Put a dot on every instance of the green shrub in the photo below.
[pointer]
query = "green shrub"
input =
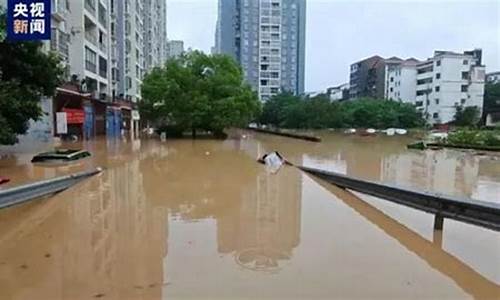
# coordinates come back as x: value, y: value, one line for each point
x: 475, y: 138
x: 491, y: 138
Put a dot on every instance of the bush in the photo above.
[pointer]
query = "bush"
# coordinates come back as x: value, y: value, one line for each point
x: 491, y: 138
x: 467, y: 117
x: 474, y: 138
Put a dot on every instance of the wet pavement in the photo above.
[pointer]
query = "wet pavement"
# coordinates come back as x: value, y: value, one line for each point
x: 202, y: 220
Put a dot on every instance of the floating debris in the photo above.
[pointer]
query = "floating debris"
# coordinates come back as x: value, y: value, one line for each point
x: 4, y: 180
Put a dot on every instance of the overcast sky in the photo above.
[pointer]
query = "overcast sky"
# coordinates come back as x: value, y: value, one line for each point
x: 340, y: 32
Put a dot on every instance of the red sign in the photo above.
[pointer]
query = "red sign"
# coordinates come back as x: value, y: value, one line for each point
x: 74, y: 116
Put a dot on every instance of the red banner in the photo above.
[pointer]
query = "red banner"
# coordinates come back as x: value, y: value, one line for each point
x: 74, y: 116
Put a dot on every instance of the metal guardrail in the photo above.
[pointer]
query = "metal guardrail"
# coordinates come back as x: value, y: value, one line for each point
x: 24, y: 193
x: 305, y: 137
x: 480, y: 213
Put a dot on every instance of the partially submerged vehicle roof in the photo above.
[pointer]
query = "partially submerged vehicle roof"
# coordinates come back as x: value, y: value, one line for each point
x: 61, y: 155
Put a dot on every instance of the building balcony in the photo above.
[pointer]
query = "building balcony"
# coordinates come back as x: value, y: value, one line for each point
x: 90, y: 6
x: 59, y: 43
x: 59, y: 10
x: 90, y: 37
x: 103, y: 47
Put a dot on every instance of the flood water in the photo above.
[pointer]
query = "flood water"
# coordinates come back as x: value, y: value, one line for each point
x: 201, y: 219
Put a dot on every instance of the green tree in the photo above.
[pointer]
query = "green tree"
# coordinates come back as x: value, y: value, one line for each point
x: 198, y: 92
x: 491, y: 95
x: 467, y: 117
x: 26, y: 74
x: 275, y: 109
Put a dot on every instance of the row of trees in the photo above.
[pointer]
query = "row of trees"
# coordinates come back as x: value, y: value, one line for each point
x: 289, y: 111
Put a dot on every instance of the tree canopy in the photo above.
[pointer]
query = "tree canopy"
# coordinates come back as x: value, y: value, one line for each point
x: 289, y: 111
x: 26, y: 74
x: 492, y: 95
x: 467, y: 116
x: 198, y: 92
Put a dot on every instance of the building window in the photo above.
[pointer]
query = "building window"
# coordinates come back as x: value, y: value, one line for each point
x: 465, y: 75
x: 103, y: 67
x: 392, y: 79
x: 462, y: 101
x: 466, y: 62
x: 90, y: 60
x: 435, y: 115
x: 437, y: 101
x: 437, y: 88
x: 464, y: 88
x: 438, y: 63
x: 438, y: 76
x: 419, y: 103
x: 391, y: 89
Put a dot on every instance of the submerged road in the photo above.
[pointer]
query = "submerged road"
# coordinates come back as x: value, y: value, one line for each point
x: 201, y: 219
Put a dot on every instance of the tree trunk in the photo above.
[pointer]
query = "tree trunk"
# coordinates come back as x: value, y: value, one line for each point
x: 193, y: 133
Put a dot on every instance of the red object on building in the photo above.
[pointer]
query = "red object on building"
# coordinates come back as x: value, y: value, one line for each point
x: 74, y: 116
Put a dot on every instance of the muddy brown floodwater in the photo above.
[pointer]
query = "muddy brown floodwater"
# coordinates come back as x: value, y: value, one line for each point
x: 202, y: 220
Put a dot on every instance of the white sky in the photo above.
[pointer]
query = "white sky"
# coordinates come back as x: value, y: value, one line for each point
x: 340, y: 32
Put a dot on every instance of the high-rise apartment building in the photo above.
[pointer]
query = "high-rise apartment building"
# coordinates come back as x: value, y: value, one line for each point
x: 267, y: 37
x: 155, y: 33
x: 130, y: 48
x: 90, y: 45
x: 141, y: 35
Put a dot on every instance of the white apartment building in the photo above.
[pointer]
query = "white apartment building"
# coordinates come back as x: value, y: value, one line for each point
x: 90, y: 45
x: 270, y: 48
x: 60, y: 37
x: 438, y: 85
x: 338, y: 93
x: 449, y: 80
x: 155, y: 33
x: 401, y: 81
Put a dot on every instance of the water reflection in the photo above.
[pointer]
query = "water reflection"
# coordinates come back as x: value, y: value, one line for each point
x: 86, y: 242
x: 463, y: 275
x: 387, y: 160
x: 257, y: 214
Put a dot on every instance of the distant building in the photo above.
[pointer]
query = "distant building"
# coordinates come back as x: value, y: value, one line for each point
x: 493, y: 77
x: 448, y: 80
x: 154, y: 33
x: 175, y: 48
x: 367, y: 78
x: 338, y: 93
x: 401, y: 81
x: 267, y: 38
x: 436, y: 86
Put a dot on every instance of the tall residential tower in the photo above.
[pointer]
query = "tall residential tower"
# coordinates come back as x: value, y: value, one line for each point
x: 267, y: 37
